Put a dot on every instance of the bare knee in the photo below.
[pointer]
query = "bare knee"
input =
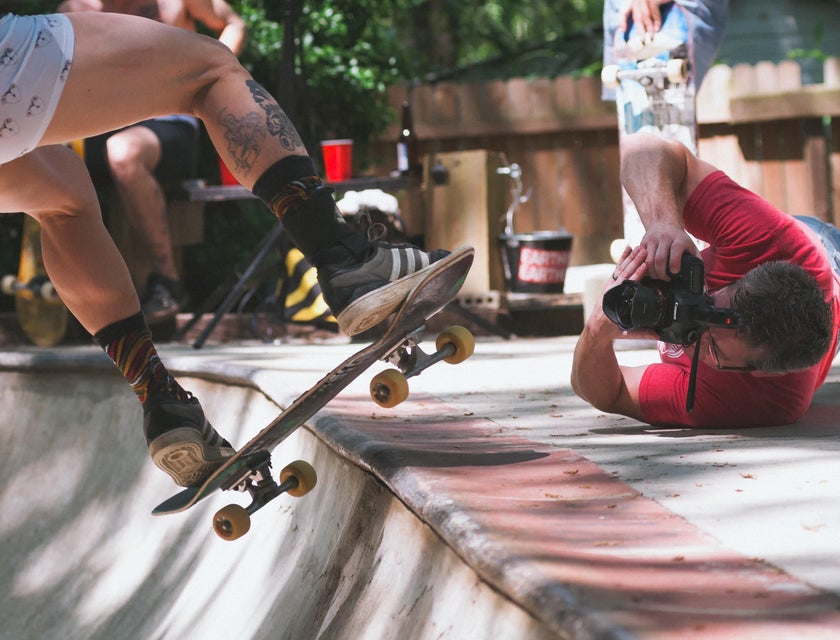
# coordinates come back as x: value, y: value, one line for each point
x: 49, y: 183
x: 133, y: 152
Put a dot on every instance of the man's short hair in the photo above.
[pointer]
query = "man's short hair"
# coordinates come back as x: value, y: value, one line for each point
x: 785, y: 317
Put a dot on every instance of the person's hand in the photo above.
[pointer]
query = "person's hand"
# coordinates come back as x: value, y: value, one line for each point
x: 631, y: 266
x: 664, y: 246
x: 646, y: 16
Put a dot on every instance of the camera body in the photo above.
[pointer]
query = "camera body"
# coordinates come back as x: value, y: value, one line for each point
x: 677, y: 310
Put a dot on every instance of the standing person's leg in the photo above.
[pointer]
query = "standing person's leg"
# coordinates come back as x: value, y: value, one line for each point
x: 708, y: 26
x: 185, y: 73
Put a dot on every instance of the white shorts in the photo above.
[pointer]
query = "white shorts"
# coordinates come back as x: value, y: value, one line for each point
x: 35, y: 57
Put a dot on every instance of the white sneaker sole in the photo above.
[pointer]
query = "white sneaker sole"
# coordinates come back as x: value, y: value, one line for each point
x: 182, y: 455
x: 374, y: 307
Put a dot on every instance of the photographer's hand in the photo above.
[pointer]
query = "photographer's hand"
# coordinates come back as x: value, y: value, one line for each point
x: 630, y: 266
x: 665, y: 244
x: 660, y: 176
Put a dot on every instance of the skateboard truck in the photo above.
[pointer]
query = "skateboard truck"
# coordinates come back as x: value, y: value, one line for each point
x: 297, y: 479
x: 390, y: 387
x: 39, y: 287
x: 675, y: 71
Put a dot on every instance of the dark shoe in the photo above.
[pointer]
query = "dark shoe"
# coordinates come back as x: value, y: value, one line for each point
x: 164, y: 298
x: 363, y: 293
x: 181, y: 441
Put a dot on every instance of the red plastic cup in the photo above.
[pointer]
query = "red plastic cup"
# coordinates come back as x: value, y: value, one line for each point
x: 338, y: 159
x: 227, y: 177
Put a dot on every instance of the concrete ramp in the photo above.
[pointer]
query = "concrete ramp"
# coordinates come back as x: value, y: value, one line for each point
x: 83, y: 558
x: 494, y: 503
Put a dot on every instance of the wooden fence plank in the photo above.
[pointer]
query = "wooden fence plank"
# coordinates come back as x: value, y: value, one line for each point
x: 756, y: 124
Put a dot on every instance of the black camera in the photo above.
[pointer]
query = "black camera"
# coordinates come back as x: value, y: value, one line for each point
x: 677, y: 310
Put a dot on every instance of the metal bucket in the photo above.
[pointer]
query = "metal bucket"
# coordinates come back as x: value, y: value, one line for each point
x: 535, y: 262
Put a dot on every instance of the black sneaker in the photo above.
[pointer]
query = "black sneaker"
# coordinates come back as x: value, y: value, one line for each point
x: 361, y: 294
x: 181, y: 441
x: 164, y: 298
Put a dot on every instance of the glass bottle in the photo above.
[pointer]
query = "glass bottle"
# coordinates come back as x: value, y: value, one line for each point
x: 408, y: 160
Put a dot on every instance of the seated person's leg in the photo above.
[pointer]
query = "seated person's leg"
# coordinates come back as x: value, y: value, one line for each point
x: 141, y: 160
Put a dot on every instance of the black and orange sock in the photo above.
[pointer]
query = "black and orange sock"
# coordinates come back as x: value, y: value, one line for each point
x: 129, y: 344
x: 305, y: 205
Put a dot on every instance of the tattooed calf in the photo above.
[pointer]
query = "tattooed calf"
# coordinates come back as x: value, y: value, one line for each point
x: 277, y: 122
x: 244, y: 137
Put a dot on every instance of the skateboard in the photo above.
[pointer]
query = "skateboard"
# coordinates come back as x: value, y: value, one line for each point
x: 41, y: 314
x: 653, y: 79
x: 249, y: 470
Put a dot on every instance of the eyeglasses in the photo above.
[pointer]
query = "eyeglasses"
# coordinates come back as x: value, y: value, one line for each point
x: 716, y: 358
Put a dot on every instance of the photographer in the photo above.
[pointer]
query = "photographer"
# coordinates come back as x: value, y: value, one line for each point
x: 769, y: 271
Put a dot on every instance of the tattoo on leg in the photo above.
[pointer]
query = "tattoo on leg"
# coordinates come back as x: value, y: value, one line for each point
x: 277, y: 121
x: 244, y: 136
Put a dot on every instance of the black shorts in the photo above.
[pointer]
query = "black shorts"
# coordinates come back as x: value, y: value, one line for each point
x: 178, y: 159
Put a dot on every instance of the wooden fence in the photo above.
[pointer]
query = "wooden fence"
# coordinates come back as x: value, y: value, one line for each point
x: 755, y: 122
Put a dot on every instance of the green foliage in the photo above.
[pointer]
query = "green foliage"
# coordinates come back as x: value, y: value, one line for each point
x: 816, y: 53
x: 501, y: 38
x: 28, y: 7
x: 349, y: 51
x: 344, y: 62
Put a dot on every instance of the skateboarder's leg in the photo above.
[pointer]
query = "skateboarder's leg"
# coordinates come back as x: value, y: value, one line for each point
x: 106, y: 89
x: 52, y: 184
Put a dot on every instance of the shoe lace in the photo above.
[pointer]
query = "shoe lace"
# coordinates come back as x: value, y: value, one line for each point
x: 373, y: 231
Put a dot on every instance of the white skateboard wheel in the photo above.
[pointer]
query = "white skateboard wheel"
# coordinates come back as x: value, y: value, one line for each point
x: 676, y: 71
x: 609, y: 75
x: 7, y: 285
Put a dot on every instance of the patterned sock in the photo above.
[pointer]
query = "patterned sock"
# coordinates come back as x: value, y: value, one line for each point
x: 305, y: 206
x: 129, y: 344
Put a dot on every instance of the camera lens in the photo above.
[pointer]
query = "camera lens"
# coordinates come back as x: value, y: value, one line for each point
x: 646, y: 307
x: 633, y: 306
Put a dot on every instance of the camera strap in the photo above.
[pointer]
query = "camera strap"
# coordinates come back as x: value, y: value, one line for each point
x: 692, y: 376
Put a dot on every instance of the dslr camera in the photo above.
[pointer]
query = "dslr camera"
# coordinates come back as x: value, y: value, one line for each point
x: 677, y: 310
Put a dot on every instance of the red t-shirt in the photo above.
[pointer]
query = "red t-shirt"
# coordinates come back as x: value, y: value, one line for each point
x: 745, y: 230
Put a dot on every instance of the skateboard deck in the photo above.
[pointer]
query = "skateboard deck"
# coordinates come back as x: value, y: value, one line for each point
x: 41, y: 314
x: 653, y: 79
x: 249, y: 469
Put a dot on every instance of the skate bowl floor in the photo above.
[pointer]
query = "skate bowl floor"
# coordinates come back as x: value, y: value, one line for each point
x: 492, y: 504
x: 83, y: 558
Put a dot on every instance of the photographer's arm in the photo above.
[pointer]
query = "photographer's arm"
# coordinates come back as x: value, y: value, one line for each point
x: 597, y: 376
x: 660, y: 176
